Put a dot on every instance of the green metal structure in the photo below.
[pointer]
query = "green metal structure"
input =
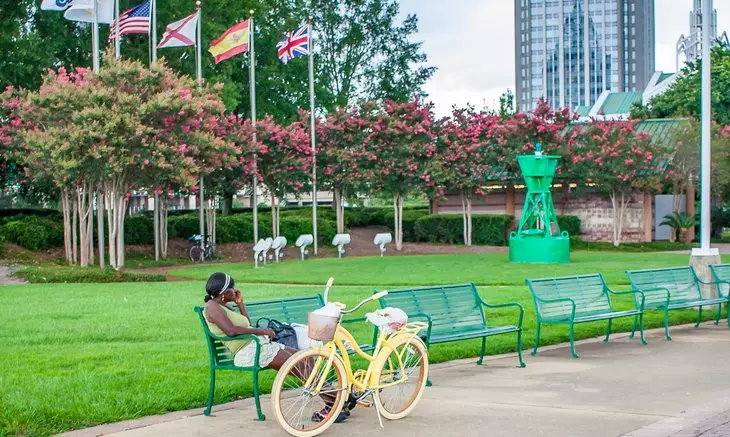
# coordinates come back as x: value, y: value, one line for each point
x: 578, y: 299
x: 538, y: 238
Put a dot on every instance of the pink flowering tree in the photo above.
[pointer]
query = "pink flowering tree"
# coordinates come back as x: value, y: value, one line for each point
x: 395, y: 157
x: 468, y: 157
x: 284, y: 162
x: 339, y: 137
x: 128, y: 127
x: 614, y: 157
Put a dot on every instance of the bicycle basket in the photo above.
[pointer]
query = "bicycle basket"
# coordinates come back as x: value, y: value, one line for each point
x: 321, y: 327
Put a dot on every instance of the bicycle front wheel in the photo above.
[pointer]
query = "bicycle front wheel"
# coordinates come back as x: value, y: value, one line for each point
x: 308, y: 394
x: 401, y: 372
x: 196, y: 254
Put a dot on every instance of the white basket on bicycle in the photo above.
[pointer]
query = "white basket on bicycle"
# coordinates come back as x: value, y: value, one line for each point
x: 322, y: 323
x: 388, y: 320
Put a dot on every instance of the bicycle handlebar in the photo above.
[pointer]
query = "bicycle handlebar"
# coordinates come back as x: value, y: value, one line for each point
x: 374, y: 297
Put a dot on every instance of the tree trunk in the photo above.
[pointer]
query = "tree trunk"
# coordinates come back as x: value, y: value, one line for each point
x: 66, y: 209
x: 339, y: 211
x: 464, y: 218
x: 74, y: 227
x: 163, y: 226
x: 468, y: 218
x: 210, y: 216
x: 227, y: 205
x: 398, y: 218
x: 156, y: 225
x: 90, y: 225
x: 100, y: 225
x: 619, y: 207
x: 274, y: 216
x: 110, y: 192
x: 83, y: 236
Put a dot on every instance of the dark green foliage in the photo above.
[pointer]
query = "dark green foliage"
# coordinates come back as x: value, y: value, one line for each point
x: 139, y: 230
x: 32, y: 232
x: 449, y: 228
x: 569, y: 223
x: 75, y: 274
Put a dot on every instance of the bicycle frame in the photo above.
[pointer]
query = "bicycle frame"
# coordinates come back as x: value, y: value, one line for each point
x: 367, y: 383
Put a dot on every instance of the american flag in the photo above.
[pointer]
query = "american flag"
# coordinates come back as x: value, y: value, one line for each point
x: 294, y: 44
x: 135, y: 20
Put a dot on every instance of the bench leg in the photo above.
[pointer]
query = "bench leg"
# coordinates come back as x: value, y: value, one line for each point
x: 428, y: 377
x: 537, y: 338
x: 519, y: 348
x: 666, y: 324
x: 633, y: 328
x: 608, y: 331
x: 572, y: 343
x: 727, y: 307
x: 717, y: 314
x: 481, y: 353
x: 209, y: 402
x: 641, y: 328
x: 699, y: 317
x: 256, y: 394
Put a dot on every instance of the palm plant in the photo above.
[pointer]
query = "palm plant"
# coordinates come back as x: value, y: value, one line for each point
x: 680, y: 223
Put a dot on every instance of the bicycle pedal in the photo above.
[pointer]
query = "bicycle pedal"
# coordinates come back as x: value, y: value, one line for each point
x: 364, y: 403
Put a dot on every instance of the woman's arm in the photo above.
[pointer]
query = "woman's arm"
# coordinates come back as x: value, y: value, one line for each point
x: 241, y: 306
x: 216, y: 314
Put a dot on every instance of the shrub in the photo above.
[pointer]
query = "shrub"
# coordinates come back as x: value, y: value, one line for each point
x: 183, y: 226
x: 410, y: 216
x: 449, y: 228
x: 72, y: 274
x: 32, y: 212
x: 32, y: 232
x: 569, y: 223
x: 139, y: 230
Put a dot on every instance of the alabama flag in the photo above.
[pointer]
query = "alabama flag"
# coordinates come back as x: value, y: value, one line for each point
x: 180, y: 33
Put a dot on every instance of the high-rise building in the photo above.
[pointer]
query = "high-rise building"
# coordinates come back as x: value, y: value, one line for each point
x: 691, y: 45
x: 570, y: 51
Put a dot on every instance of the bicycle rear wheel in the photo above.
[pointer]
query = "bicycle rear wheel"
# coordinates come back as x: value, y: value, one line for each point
x: 196, y: 254
x: 296, y: 400
x: 403, y: 384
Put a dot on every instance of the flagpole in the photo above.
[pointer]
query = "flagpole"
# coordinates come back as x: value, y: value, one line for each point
x: 95, y: 38
x: 117, y: 38
x: 199, y: 74
x: 312, y: 134
x: 252, y: 79
x: 153, y: 31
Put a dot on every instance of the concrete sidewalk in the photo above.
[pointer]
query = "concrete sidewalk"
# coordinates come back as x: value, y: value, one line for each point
x: 676, y: 388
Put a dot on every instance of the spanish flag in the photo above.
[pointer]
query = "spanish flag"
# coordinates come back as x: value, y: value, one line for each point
x: 231, y: 43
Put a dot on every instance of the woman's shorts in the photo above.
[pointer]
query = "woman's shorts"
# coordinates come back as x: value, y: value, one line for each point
x: 246, y: 356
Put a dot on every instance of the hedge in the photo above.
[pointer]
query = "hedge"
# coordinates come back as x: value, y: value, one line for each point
x: 74, y: 274
x: 487, y: 229
x: 569, y: 223
x: 32, y: 232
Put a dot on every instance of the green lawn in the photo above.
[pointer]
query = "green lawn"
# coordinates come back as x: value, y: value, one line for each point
x: 482, y: 269
x: 77, y: 355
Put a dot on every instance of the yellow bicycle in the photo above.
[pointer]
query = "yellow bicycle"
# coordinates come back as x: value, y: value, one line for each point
x: 312, y: 387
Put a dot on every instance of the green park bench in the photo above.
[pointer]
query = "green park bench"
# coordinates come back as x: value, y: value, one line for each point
x: 721, y: 274
x: 673, y: 288
x: 578, y: 299
x: 291, y: 310
x: 453, y: 313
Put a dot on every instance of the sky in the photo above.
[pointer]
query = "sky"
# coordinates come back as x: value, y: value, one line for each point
x: 472, y: 44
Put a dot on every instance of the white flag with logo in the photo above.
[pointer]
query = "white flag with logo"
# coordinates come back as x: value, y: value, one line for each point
x: 56, y: 5
x: 180, y: 33
x: 83, y: 10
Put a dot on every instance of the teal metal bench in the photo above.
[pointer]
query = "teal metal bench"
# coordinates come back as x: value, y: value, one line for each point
x: 292, y: 310
x: 578, y: 299
x: 673, y: 288
x: 721, y: 275
x: 453, y: 312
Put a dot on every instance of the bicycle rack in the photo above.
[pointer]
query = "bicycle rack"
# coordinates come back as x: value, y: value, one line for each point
x: 260, y: 249
x: 341, y: 240
x: 278, y: 245
x: 302, y: 242
x: 381, y: 240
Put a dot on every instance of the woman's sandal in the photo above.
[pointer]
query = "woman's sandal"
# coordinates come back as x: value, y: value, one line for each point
x: 321, y: 415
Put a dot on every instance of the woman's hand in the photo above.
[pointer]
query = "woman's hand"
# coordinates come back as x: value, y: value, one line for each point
x: 268, y: 333
x: 237, y: 297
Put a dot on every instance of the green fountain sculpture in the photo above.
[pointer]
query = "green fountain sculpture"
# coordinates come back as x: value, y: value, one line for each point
x: 538, y: 238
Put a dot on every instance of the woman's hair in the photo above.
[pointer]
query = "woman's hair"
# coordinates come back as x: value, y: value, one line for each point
x: 217, y: 284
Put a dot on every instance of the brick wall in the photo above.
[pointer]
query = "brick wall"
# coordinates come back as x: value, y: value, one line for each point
x: 593, y: 209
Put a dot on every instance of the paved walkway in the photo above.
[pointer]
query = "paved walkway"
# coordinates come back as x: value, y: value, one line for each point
x: 677, y: 388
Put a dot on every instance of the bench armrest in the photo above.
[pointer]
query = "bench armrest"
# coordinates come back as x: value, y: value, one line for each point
x: 255, y: 338
x: 507, y: 305
x: 719, y: 289
x: 564, y: 299
x: 632, y: 292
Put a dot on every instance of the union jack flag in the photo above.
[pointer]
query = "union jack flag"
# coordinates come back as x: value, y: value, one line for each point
x: 294, y: 44
x: 135, y: 20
